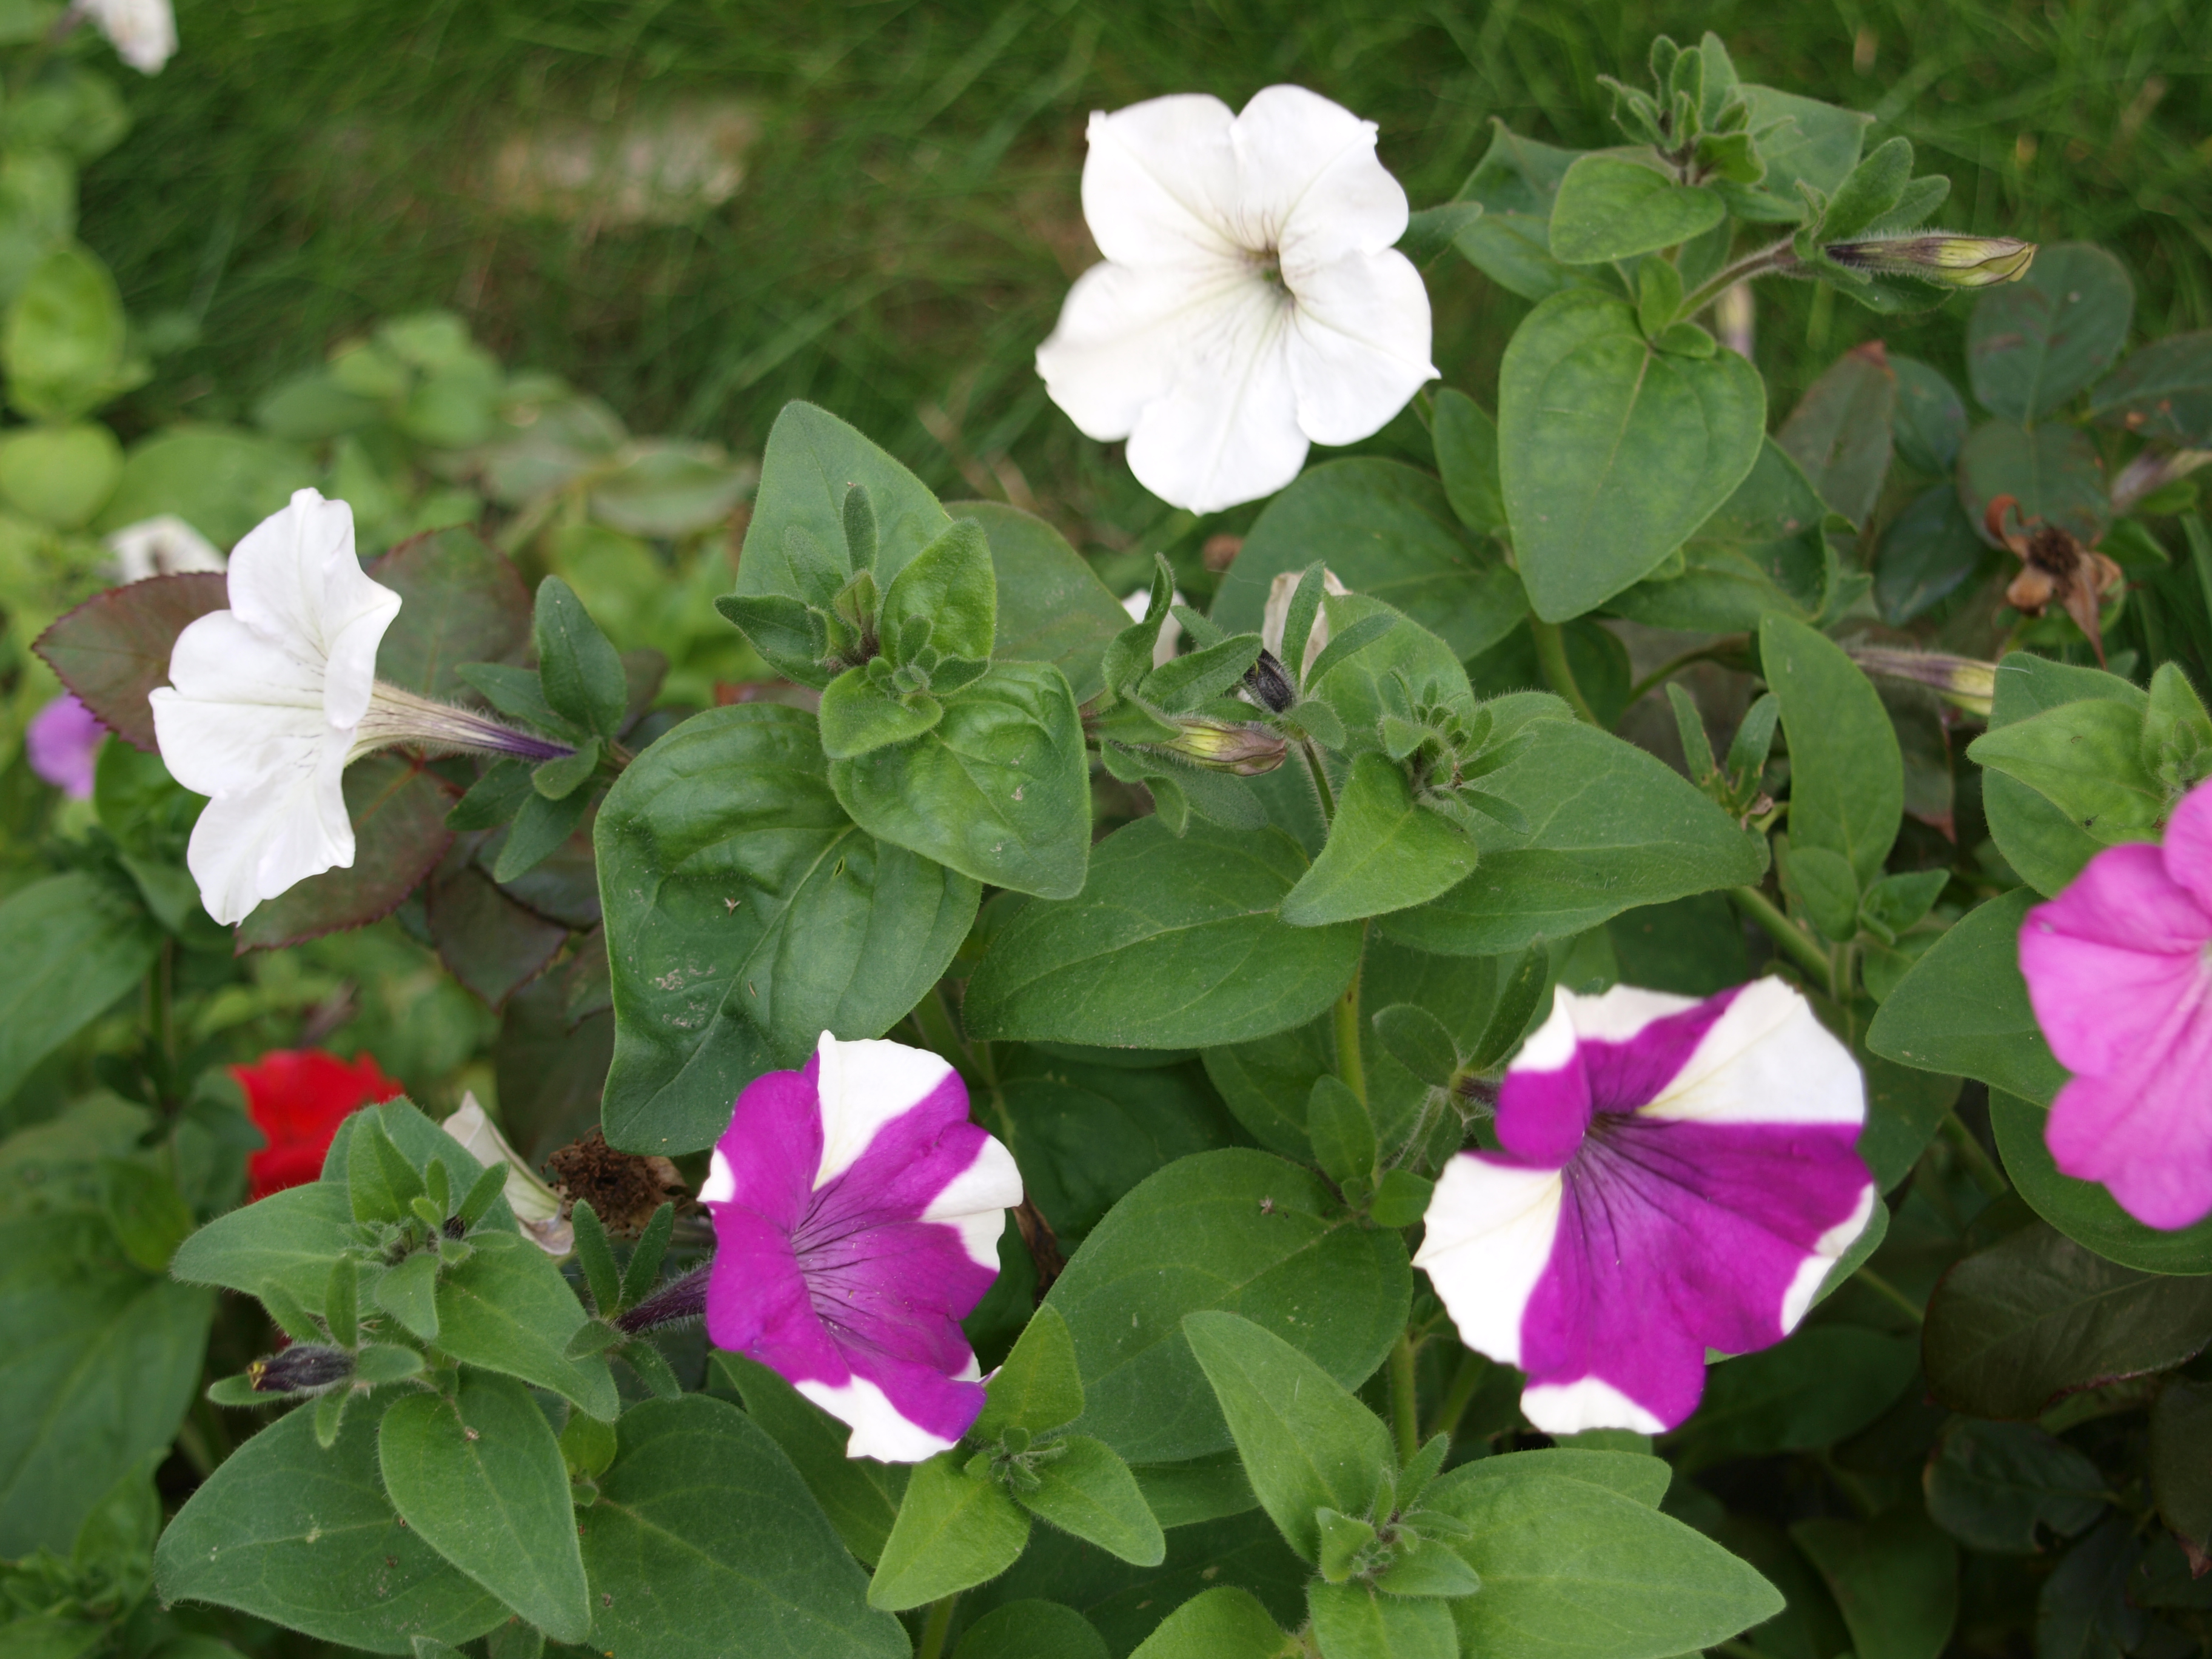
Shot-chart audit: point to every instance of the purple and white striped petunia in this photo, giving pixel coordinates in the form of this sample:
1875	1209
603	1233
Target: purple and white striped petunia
1676	1175
857	1214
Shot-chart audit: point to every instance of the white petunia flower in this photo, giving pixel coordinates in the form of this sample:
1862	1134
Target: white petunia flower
1277	616
1251	303
162	546
270	699
144	32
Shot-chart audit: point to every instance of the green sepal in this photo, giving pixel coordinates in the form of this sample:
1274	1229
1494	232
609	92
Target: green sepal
493	799
1345	1539
642	1272
561	777
597	1257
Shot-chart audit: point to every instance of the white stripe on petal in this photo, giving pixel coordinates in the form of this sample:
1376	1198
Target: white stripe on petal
863	1086
976	1201
722	1181
1571	1407
1797	1301
879	1430
1488	1239
1767	1060
1621	1014
1551	1044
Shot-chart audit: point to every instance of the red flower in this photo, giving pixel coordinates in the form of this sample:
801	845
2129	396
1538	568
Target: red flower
297	1098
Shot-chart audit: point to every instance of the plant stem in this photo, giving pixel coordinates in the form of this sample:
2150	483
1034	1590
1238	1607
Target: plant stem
161	1015
1673	665
1985	1173
1793	940
1558	673
1473	1368
932	1631
1881	1287
1348	1066
1773	256
1404	1405
1319	773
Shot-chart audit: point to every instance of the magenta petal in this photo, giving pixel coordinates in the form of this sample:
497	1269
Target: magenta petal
2188	846
2144	1127
62	744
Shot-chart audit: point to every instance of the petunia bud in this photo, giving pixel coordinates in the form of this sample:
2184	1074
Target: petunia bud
1963	682
1953	261
1243	747
536	1205
302	1367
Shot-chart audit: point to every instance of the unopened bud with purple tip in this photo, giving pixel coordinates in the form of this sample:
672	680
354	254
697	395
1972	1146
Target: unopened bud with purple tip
1951	261
1963	682
1244	747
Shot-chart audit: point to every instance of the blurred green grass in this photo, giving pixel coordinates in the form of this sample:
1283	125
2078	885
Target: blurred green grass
909	219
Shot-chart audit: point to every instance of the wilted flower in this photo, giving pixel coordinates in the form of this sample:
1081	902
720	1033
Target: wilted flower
1276	615
272	698
2054	565
1951	261
144	32
1676	1177
857	1215
62	742
1251	302
1964	681
536	1205
2119	970
162	546
297	1098
1169	639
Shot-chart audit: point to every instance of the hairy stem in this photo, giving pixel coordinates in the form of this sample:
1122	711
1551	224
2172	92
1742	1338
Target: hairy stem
1773	256
1319	773
1558	673
933	1630
1405	1425
1979	1166
1348	1066
1794	941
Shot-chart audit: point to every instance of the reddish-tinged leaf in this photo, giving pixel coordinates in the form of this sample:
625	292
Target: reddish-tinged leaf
460	601
398	809
491	944
114	648
1839	431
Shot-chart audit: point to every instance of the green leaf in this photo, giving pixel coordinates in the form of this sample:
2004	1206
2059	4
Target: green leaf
1823	1385
220	480
59	476
479	1478
1343	1135
1846	774
1612	209
286	1531
1237	1230
858	715
1761	551
2032	344
74	945
1830	889
1430	231
2181	1474
1870	190
1895	1580
1611	454
1818	142
114	648
703	1541
1031	1629
2084	1209
1051	605
2035	1316
1465	440
408	1293
1038	1386
98	1362
811	459
1963	1007
670	490
1573	1570
1305	1442
511	1311
1385	851
1358	1621
1515	183
1611	828
2054	472
1088	1491
953	1531
2162	392
581	672
2037	839
1990	1484
64	340
746	915
461	601
2084	1608
951	587
287	1240
2085	758
1390	533
1198	1489
999	790
860	1495
1227	1623
1173	943
1839	431
1632	1474
559	778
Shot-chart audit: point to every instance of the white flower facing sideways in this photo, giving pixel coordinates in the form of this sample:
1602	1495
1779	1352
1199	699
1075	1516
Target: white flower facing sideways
144	32
162	546
1251	303
269	701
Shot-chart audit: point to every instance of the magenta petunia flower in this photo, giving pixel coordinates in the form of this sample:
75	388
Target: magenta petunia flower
2119	968
1676	1177
63	745
857	1214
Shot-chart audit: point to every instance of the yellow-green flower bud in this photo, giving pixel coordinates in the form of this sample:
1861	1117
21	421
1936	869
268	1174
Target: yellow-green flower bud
1243	747
1963	682
1953	261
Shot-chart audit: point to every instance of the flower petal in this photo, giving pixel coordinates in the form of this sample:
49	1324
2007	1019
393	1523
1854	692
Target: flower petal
1160	184
1226	430
1360	342
2142	1128
1124	340
295	580
1311	175
2188	848
1485	1241
865	1086
2107	960
1766	1058
291	824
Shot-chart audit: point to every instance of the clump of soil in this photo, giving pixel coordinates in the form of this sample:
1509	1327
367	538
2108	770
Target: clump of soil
623	1189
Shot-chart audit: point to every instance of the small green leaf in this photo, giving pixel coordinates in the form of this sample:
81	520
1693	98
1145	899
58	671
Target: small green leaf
1895	1579
1359	1621
2032	344
2085	759
858	715
1344	1538
1830	889
950	585
1418	1041
1224	1623
1401	1198
1088	1491
1428	1567
1385	851
581	672
953	1531
1872	188
1611	208
408	1293
1466	441
1963	1007
556	780
1343	1137
1846	774
1039	1386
